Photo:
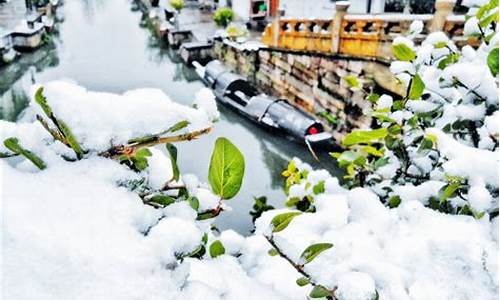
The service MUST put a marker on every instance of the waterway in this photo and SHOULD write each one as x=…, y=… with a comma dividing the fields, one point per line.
x=102, y=46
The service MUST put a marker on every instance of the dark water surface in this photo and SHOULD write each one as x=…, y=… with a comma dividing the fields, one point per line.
x=101, y=46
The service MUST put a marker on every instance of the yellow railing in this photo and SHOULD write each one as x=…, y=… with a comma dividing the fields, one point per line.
x=357, y=35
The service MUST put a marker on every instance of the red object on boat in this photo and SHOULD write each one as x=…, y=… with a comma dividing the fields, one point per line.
x=313, y=130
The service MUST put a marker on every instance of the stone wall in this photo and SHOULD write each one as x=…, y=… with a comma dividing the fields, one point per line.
x=311, y=80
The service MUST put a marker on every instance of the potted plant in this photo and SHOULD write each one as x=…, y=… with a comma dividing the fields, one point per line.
x=223, y=16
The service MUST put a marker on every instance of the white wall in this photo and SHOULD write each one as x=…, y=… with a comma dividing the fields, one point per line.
x=322, y=9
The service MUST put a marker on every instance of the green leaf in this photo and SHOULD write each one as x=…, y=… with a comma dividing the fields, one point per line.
x=178, y=126
x=194, y=203
x=403, y=52
x=364, y=136
x=272, y=252
x=493, y=61
x=448, y=191
x=314, y=250
x=144, y=152
x=319, y=187
x=216, y=249
x=227, y=167
x=417, y=87
x=352, y=81
x=162, y=200
x=42, y=101
x=373, y=151
x=302, y=281
x=440, y=45
x=206, y=215
x=281, y=221
x=140, y=163
x=394, y=201
x=425, y=146
x=70, y=138
x=373, y=98
x=172, y=151
x=380, y=162
x=319, y=292
x=13, y=145
x=63, y=128
x=448, y=60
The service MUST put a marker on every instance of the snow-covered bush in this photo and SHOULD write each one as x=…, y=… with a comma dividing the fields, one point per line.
x=440, y=141
x=391, y=232
x=94, y=163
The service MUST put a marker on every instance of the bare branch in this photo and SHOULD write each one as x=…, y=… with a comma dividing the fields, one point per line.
x=130, y=149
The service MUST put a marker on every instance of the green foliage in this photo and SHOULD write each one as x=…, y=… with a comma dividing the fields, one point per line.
x=172, y=151
x=216, y=249
x=302, y=281
x=292, y=175
x=493, y=61
x=227, y=167
x=13, y=145
x=331, y=119
x=281, y=221
x=448, y=60
x=272, y=252
x=417, y=87
x=223, y=16
x=259, y=207
x=314, y=250
x=177, y=4
x=403, y=52
x=71, y=139
x=63, y=130
x=319, y=291
x=352, y=81
x=162, y=200
x=364, y=136
x=138, y=161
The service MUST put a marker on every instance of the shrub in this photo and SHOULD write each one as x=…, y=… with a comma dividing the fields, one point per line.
x=223, y=16
x=433, y=140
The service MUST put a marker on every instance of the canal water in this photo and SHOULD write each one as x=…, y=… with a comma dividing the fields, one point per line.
x=102, y=46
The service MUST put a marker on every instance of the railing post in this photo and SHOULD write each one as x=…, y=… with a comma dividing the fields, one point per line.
x=340, y=11
x=276, y=26
x=444, y=8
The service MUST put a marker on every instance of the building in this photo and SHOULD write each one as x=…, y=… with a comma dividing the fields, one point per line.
x=323, y=9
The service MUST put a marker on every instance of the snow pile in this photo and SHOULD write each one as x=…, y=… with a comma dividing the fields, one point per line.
x=96, y=118
x=76, y=231
x=410, y=252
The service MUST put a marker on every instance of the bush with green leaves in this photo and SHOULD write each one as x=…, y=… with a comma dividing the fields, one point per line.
x=446, y=116
x=139, y=154
x=223, y=16
x=436, y=146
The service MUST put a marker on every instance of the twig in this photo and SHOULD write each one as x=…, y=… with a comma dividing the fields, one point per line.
x=56, y=134
x=132, y=148
x=299, y=268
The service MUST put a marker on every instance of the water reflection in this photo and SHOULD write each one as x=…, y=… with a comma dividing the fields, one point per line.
x=17, y=77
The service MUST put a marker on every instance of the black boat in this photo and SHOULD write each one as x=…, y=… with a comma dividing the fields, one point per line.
x=272, y=113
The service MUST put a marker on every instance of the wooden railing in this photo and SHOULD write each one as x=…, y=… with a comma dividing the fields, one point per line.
x=357, y=35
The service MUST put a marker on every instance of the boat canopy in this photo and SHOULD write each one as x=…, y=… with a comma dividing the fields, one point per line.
x=212, y=71
x=295, y=120
x=258, y=105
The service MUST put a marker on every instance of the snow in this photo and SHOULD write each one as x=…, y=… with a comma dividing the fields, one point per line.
x=468, y=162
x=356, y=286
x=96, y=118
x=411, y=252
